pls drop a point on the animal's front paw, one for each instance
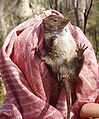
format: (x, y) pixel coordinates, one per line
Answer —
(80, 50)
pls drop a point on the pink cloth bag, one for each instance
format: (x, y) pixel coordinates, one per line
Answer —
(32, 92)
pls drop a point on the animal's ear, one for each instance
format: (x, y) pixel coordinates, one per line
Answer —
(65, 21)
(44, 21)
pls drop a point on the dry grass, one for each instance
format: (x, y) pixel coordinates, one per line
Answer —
(2, 93)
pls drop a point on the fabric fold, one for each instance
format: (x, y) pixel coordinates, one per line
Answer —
(32, 92)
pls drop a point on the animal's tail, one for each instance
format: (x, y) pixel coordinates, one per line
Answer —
(68, 98)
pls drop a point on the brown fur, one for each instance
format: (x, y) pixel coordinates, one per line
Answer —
(63, 56)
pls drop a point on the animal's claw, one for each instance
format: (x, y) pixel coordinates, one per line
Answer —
(80, 50)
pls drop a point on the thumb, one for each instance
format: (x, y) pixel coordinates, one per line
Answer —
(89, 110)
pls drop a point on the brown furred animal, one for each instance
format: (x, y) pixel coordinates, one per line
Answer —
(63, 55)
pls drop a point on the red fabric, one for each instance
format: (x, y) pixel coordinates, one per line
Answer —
(37, 90)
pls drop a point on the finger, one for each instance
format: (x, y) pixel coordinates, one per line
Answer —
(83, 46)
(90, 110)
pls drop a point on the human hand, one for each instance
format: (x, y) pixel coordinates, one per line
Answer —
(90, 110)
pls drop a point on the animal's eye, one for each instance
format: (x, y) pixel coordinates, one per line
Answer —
(55, 20)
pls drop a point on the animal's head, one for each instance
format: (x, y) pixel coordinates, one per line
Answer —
(55, 23)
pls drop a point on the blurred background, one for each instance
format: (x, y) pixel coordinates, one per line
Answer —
(83, 13)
